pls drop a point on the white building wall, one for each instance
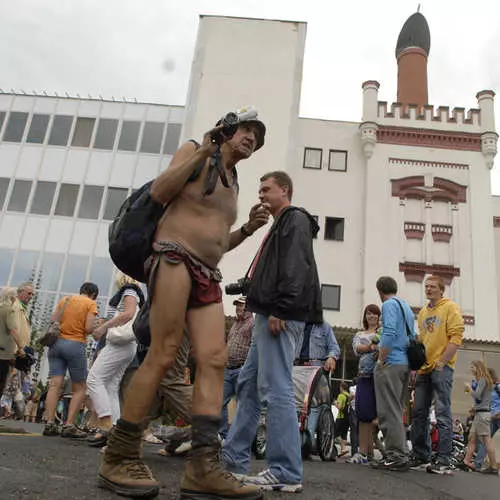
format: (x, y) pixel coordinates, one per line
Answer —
(262, 66)
(328, 193)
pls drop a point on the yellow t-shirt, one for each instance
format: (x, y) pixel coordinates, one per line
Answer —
(74, 317)
(439, 326)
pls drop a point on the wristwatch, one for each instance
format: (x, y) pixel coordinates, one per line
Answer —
(245, 232)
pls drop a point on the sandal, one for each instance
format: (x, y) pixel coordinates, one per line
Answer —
(149, 438)
(469, 467)
(99, 439)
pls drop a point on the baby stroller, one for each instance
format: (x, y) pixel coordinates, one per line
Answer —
(313, 397)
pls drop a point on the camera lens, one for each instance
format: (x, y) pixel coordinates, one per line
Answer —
(230, 119)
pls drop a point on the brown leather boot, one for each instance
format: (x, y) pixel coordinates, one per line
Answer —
(122, 469)
(205, 478)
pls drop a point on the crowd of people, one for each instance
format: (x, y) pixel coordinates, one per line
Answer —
(279, 324)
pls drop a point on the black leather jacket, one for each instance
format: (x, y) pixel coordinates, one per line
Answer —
(285, 282)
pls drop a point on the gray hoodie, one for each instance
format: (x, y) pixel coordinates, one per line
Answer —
(482, 396)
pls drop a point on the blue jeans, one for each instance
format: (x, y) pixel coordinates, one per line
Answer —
(230, 383)
(435, 385)
(480, 446)
(267, 376)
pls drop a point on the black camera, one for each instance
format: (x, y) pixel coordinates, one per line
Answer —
(230, 122)
(239, 288)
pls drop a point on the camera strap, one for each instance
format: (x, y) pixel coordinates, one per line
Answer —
(215, 171)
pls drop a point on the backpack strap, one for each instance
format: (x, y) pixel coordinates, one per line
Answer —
(408, 330)
(197, 171)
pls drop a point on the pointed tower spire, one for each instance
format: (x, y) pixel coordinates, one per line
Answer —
(412, 50)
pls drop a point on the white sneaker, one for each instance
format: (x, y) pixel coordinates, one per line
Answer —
(269, 482)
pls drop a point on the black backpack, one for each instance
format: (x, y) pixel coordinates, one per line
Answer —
(132, 231)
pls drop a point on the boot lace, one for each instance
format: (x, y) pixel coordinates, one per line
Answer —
(215, 460)
(138, 470)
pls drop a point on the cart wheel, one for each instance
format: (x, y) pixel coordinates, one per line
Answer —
(325, 437)
(260, 442)
(306, 444)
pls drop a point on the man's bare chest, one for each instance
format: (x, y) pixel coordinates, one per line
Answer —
(223, 201)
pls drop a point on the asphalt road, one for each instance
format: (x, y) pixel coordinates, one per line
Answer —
(51, 468)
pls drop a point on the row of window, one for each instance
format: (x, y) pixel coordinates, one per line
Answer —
(52, 273)
(59, 130)
(337, 159)
(61, 199)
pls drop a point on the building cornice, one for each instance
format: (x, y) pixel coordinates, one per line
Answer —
(406, 136)
(416, 271)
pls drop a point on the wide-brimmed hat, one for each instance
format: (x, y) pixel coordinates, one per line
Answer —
(251, 115)
(240, 300)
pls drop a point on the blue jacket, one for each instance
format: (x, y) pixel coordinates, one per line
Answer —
(394, 335)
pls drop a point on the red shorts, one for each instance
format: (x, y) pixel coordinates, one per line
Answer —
(205, 281)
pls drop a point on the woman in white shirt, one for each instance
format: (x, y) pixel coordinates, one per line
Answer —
(105, 376)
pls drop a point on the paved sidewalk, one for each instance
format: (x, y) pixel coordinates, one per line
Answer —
(53, 468)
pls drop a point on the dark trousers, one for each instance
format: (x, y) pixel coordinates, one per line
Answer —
(353, 423)
(4, 374)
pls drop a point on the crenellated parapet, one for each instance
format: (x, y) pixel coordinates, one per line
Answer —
(428, 125)
(430, 117)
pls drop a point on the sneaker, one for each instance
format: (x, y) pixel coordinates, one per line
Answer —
(357, 458)
(269, 482)
(489, 470)
(396, 465)
(73, 432)
(129, 478)
(441, 468)
(206, 478)
(417, 463)
(51, 429)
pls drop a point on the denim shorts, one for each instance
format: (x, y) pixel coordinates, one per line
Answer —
(68, 355)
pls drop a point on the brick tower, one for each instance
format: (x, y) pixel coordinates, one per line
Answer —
(412, 50)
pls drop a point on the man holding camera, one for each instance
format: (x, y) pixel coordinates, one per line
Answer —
(284, 292)
(191, 238)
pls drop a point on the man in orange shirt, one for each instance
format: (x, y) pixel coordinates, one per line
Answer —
(76, 321)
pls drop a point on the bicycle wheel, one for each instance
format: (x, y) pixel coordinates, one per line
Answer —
(325, 437)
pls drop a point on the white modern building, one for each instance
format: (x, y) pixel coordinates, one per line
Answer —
(405, 191)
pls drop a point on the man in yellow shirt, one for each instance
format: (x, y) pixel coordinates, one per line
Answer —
(441, 328)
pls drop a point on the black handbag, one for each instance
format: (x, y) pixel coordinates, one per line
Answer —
(416, 350)
(24, 363)
(54, 329)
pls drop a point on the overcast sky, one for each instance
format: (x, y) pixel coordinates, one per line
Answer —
(143, 48)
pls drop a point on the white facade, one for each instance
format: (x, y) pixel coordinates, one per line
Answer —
(66, 165)
(394, 195)
(264, 68)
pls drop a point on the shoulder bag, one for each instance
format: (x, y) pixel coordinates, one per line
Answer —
(416, 350)
(123, 334)
(54, 329)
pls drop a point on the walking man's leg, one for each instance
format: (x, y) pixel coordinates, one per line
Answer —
(122, 469)
(204, 473)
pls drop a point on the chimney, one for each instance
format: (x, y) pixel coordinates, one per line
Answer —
(412, 50)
